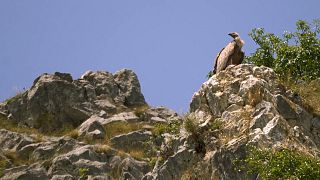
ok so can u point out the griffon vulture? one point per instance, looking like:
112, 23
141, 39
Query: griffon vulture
231, 54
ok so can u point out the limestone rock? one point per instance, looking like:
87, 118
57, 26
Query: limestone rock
128, 117
56, 100
63, 177
92, 128
132, 140
160, 115
25, 172
130, 90
245, 105
13, 141
133, 169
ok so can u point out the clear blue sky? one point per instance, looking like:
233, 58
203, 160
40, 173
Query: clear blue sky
170, 44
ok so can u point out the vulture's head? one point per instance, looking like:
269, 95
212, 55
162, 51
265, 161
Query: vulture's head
233, 34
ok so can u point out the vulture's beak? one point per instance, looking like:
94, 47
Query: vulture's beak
233, 34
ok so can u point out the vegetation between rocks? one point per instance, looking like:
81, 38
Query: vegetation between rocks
3, 164
173, 127
191, 126
310, 94
13, 126
83, 173
117, 128
281, 164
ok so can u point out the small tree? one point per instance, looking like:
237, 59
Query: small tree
294, 56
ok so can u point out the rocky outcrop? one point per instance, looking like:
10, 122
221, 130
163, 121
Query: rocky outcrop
56, 99
243, 105
114, 134
92, 128
132, 140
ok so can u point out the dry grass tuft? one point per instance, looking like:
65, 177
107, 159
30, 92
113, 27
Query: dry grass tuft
310, 94
12, 126
73, 134
139, 111
137, 154
15, 159
103, 149
117, 128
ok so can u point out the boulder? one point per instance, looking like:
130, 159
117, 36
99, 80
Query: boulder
13, 141
63, 177
130, 90
132, 140
160, 115
56, 100
133, 169
126, 117
92, 128
25, 172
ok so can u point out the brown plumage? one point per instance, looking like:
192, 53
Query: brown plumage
231, 54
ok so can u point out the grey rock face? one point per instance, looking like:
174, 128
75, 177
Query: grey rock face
13, 141
129, 86
92, 128
252, 109
56, 100
63, 177
160, 115
242, 105
132, 140
133, 169
26, 173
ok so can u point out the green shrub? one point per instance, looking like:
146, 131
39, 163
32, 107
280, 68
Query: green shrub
83, 173
295, 55
217, 124
173, 127
283, 164
3, 164
190, 125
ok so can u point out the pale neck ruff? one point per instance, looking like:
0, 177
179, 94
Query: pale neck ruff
239, 41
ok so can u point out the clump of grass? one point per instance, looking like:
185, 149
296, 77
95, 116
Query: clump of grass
13, 126
3, 164
15, 159
173, 127
135, 153
103, 149
153, 161
73, 134
310, 94
140, 110
36, 134
283, 164
191, 126
117, 128
138, 154
217, 124
83, 173
122, 154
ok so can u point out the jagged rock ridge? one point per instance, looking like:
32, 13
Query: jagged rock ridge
57, 99
242, 105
